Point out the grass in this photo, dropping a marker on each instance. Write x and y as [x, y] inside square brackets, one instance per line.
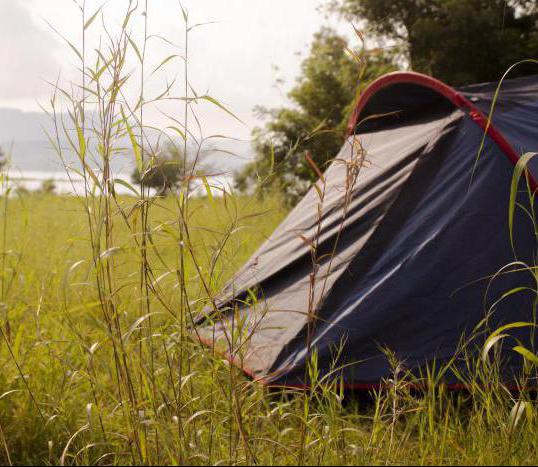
[52, 310]
[60, 341]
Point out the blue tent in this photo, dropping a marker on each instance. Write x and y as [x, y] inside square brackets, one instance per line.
[404, 245]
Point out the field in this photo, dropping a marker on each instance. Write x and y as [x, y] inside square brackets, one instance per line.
[75, 389]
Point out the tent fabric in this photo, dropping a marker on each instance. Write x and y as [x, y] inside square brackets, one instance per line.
[397, 247]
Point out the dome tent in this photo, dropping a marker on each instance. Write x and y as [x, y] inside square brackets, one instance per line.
[404, 253]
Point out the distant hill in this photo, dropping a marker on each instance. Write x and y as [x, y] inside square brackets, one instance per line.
[22, 126]
[25, 132]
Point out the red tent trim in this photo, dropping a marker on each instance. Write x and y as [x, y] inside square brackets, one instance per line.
[458, 99]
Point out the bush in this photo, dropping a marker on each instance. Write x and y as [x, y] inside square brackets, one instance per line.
[165, 171]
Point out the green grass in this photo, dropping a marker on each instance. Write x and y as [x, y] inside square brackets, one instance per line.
[207, 412]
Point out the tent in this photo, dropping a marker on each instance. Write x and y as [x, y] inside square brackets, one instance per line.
[400, 246]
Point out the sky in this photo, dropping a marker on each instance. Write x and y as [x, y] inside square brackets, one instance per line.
[238, 58]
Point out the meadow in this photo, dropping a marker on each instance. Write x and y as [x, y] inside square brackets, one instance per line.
[66, 399]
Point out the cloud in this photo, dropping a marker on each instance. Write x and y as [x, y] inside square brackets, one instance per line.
[26, 53]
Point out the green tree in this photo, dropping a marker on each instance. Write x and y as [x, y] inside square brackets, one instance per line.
[3, 159]
[457, 41]
[48, 187]
[316, 122]
[165, 171]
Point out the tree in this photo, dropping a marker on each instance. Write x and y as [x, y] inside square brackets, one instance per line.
[457, 41]
[165, 172]
[48, 187]
[321, 103]
[3, 159]
[168, 168]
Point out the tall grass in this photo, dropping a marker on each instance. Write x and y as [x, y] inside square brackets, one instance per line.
[98, 292]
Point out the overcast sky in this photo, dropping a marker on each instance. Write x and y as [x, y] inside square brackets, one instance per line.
[234, 59]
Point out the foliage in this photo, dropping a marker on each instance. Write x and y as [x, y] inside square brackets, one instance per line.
[165, 170]
[458, 41]
[48, 186]
[316, 122]
[4, 159]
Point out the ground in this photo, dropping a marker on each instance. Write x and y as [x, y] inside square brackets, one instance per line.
[92, 372]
